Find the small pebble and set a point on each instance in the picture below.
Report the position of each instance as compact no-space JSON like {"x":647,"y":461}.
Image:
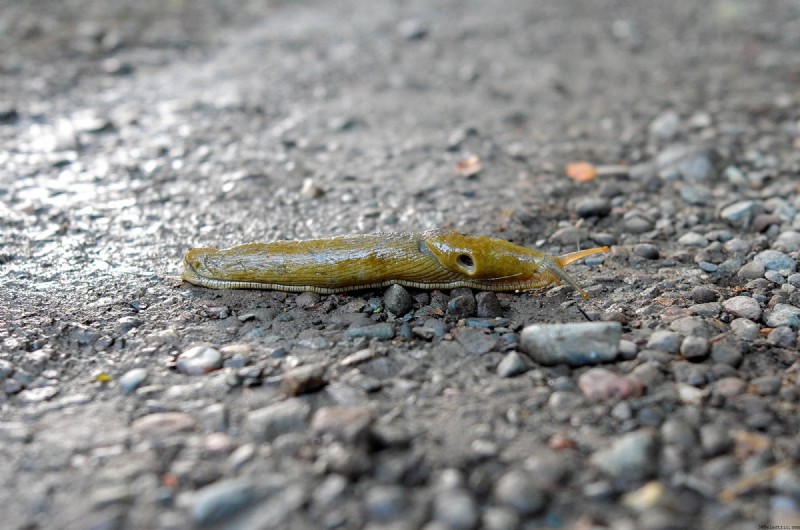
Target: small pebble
{"x":386,"y":503}
{"x":664,"y":340}
{"x":695,"y":348}
{"x":665,"y":126}
{"x":455,"y":509}
{"x":726,"y":353}
{"x":767,"y":385}
{"x":646,"y":251}
{"x":125,"y":324}
{"x":693,"y":239}
{"x":266,"y":424}
{"x":518,"y":490}
{"x":783,"y":315}
{"x":199,"y":360}
{"x":132,"y":379}
{"x":784,"y":513}
{"x":788,"y":241}
{"x":488,"y":305}
{"x":380,"y":331}
{"x":776,"y":260}
{"x":678,"y":432}
{"x":575,"y":344}
{"x":751,"y":271}
{"x":221,"y":500}
{"x":775,"y":277}
{"x":745,"y":329}
{"x":638,"y":225}
{"x":462,"y":306}
{"x":715,"y":439}
{"x":729,"y":386}
{"x":397,"y":300}
{"x":601,"y":384}
{"x":163,"y":424}
{"x":475,"y":341}
{"x":512,"y":365}
{"x":593,"y":207}
{"x":303,"y":380}
{"x":631,"y":456}
{"x":743,"y":307}
{"x":710,"y":309}
{"x":347,"y":424}
{"x":741,"y":213}
{"x":783,"y":337}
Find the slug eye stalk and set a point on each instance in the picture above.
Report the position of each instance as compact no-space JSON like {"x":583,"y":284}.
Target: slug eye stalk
{"x":556,"y":264}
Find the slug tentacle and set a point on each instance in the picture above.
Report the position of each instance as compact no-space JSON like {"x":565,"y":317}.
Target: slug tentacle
{"x":436,"y":259}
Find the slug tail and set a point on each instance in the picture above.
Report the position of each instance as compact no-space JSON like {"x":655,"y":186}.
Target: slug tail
{"x":559,"y":262}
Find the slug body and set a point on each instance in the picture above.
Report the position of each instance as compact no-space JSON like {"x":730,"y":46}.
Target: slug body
{"x":435,"y":259}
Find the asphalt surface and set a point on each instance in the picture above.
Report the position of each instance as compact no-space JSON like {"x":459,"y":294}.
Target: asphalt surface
{"x":130,"y":133}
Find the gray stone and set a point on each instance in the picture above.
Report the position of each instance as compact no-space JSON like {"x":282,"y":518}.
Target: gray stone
{"x":575,"y":344}
{"x":703,"y":294}
{"x":476,"y":341}
{"x":665,"y":126}
{"x":767,"y":385}
{"x":397,"y":300}
{"x":646,"y":251}
{"x":726,"y":353}
{"x":199,"y":360}
{"x":710,"y":309}
{"x":678,"y":432}
{"x":518,"y":490}
{"x":693,"y":239}
{"x":512,"y":365}
{"x":224,"y":499}
{"x":695,"y":348}
{"x":593,"y":207}
{"x":664,"y":340}
{"x":268,"y":423}
{"x":743,"y":307}
{"x":729,"y":386}
{"x":380,"y":331}
{"x":788,"y":241}
{"x":462,"y":306}
{"x":303,"y":380}
{"x":741,"y":213}
{"x":163,"y":424}
{"x":455,"y":509}
{"x":783,"y":337}
{"x":631,"y":457}
{"x":6,"y":369}
{"x":751,"y":271}
{"x":132,"y":379}
{"x":127,"y":323}
{"x":745,"y":329}
{"x":386,"y":503}
{"x":347,"y":424}
{"x":696,"y":195}
{"x":775,"y":277}
{"x":776,"y":260}
{"x":488,"y":305}
{"x":601,"y":384}
{"x":715,"y":439}
{"x":783,"y":315}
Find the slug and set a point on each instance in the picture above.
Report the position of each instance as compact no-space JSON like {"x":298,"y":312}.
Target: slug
{"x":435,"y":259}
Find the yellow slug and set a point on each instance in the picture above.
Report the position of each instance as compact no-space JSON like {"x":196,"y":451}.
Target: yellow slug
{"x":435,"y":259}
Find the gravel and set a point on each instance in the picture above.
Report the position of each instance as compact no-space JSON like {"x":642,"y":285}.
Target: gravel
{"x":131,"y":132}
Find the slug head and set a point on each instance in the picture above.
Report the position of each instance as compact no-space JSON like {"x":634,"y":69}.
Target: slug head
{"x":496,"y":262}
{"x":481,"y":257}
